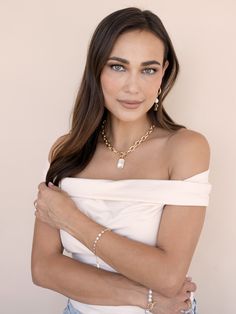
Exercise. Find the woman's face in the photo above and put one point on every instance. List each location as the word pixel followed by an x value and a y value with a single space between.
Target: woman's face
pixel 132 75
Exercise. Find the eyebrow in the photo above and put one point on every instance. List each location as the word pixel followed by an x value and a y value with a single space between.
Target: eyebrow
pixel 127 62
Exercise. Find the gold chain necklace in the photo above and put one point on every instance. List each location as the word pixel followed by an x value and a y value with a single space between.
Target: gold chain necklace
pixel 122 155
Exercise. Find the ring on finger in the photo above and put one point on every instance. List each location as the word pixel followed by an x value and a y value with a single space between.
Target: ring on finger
pixel 189 310
pixel 189 303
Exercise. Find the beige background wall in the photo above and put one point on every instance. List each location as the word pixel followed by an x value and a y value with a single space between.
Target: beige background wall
pixel 43 47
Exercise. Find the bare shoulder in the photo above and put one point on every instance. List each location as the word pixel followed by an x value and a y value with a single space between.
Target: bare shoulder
pixel 189 153
pixel 187 137
pixel 57 144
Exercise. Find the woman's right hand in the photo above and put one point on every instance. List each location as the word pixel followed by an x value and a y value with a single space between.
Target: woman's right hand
pixel 176 304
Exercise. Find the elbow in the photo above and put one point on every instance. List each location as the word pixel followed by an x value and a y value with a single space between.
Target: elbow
pixel 35 275
pixel 171 287
pixel 38 273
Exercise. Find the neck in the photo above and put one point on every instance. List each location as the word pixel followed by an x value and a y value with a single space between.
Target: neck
pixel 122 134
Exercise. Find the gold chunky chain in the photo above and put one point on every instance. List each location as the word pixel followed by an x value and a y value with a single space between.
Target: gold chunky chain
pixel 132 148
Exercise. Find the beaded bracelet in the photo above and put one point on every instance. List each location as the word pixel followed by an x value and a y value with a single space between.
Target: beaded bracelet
pixel 151 303
pixel 95 244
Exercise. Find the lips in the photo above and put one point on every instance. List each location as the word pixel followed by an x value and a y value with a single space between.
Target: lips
pixel 128 101
pixel 130 104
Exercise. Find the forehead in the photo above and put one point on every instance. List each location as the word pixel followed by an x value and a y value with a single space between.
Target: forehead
pixel 138 44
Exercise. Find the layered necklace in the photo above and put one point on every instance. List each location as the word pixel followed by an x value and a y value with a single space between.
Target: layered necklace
pixel 122 155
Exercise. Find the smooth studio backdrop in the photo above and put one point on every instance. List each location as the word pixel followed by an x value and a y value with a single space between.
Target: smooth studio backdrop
pixel 43 49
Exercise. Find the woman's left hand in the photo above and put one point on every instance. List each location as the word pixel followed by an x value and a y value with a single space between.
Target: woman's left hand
pixel 54 206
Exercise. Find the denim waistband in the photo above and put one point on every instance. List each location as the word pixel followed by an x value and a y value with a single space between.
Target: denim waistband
pixel 71 310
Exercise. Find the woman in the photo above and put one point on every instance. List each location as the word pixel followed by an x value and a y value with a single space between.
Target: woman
pixel 127 188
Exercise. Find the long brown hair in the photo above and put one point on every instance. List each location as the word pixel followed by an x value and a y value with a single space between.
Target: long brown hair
pixel 75 151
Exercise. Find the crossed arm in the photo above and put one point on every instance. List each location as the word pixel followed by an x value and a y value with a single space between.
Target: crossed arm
pixel 74 279
pixel 162 268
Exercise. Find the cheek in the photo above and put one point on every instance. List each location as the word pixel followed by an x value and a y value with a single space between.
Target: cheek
pixel 155 83
pixel 151 88
pixel 109 84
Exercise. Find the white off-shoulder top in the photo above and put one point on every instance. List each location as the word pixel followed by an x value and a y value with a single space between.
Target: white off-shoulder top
pixel 131 208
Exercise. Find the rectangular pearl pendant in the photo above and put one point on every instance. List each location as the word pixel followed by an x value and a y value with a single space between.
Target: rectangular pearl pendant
pixel 121 163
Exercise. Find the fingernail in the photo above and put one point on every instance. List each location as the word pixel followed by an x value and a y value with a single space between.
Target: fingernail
pixel 50 184
pixel 189 278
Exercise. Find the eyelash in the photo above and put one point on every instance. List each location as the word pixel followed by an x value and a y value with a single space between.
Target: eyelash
pixel 112 66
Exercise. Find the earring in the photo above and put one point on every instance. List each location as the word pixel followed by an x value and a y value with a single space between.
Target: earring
pixel 157 101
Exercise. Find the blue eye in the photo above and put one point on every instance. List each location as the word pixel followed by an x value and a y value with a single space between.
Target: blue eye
pixel 117 67
pixel 149 71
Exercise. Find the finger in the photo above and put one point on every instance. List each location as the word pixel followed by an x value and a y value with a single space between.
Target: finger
pixel 35 203
pixel 53 187
pixel 190 286
pixel 183 295
pixel 185 306
pixel 186 295
pixel 57 189
pixel 188 302
pixel 41 205
pixel 42 186
pixel 39 216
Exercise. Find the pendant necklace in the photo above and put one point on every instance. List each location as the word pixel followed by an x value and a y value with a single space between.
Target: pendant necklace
pixel 122 155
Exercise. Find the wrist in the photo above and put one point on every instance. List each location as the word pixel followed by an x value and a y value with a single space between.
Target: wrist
pixel 138 296
pixel 152 302
pixel 74 222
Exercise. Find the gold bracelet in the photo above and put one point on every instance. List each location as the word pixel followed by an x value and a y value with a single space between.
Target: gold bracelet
pixel 150 306
pixel 98 237
pixel 151 303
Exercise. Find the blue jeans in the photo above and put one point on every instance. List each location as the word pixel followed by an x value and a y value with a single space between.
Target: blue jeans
pixel 70 309
pixel 194 306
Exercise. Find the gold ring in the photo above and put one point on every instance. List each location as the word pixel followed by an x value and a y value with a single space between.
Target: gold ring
pixel 190 304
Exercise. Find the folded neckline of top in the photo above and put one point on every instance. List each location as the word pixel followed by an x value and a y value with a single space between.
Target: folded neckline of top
pixel 126 180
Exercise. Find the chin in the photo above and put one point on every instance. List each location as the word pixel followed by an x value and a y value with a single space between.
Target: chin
pixel 128 116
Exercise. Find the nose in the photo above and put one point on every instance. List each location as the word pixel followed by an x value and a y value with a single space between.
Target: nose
pixel 131 84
